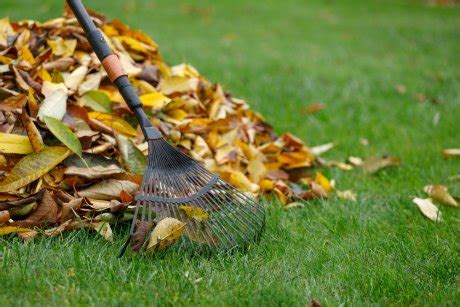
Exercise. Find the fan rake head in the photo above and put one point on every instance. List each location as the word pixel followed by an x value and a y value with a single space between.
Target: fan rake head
pixel 175 185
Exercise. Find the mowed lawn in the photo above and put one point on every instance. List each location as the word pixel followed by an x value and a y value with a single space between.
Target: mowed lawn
pixel 283 56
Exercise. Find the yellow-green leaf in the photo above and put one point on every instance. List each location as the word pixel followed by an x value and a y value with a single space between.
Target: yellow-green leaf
pixel 132 159
pixel 96 100
pixel 63 134
pixel 15 144
pixel 32 167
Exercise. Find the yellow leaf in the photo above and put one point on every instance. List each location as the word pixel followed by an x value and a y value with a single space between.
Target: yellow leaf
pixel 195 213
pixel 12 229
pixel 347 195
pixel 5 30
pixel 323 181
pixel 135 45
pixel 44 75
pixel 15 144
pixel 242 182
pixel 256 168
pixel 113 122
pixel 61 47
pixel 165 234
pixel 171 85
pixel 27 55
pixel 156 100
pixel 32 167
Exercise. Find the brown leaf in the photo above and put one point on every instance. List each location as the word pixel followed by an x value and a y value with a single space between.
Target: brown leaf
pixel 109 189
pixel 34 135
pixel 13 103
pixel 139 237
pixel 440 194
pixel 45 212
pixel 94 172
pixel 4 217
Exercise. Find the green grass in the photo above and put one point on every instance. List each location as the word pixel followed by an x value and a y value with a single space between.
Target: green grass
pixel 282 56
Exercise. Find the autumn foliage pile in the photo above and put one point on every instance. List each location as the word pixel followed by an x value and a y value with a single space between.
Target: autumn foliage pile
pixel 71 153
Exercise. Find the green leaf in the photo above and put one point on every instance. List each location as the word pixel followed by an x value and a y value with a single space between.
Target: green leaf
pixel 132 159
pixel 96 100
pixel 63 134
pixel 32 167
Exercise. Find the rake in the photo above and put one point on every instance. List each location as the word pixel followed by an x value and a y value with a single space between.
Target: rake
pixel 173 183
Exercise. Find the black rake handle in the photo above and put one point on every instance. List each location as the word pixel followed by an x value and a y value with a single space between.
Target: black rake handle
pixel 113 67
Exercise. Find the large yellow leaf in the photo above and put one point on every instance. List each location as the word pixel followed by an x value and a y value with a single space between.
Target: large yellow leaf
pixel 156 100
pixel 32 167
pixel 12 229
pixel 113 122
pixel 15 144
pixel 171 85
pixel 165 234
pixel 61 47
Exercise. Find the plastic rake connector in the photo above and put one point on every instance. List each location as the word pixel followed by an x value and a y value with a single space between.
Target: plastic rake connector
pixel 173 181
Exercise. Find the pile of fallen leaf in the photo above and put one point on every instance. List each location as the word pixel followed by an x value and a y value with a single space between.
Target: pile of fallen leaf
pixel 72 154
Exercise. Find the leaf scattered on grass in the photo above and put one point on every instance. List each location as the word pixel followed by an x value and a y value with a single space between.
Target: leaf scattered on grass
pixel 165 234
pixel 374 165
pixel 428 209
pixel 104 230
pixel 139 237
pixel 451 153
pixel 440 194
pixel 346 195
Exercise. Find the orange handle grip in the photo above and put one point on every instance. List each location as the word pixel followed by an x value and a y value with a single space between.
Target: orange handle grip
pixel 113 67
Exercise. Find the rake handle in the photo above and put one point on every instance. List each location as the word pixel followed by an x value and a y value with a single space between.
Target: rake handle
pixel 113 67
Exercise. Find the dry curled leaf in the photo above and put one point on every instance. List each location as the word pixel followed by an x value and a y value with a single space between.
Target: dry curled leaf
pixel 440 194
pixel 45 212
pixel 109 189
